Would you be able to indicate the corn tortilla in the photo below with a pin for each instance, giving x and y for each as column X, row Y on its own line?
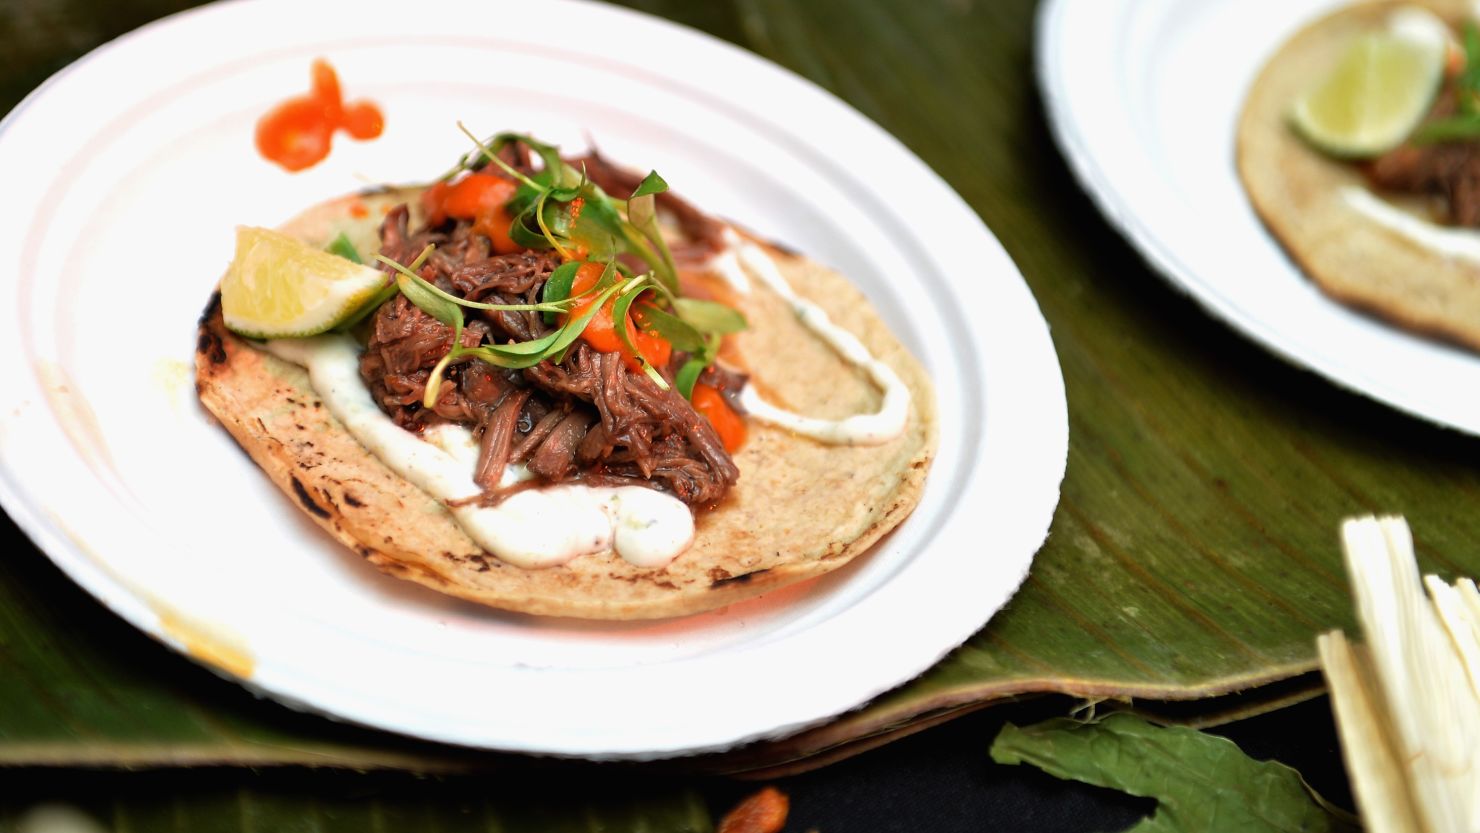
column 800, row 509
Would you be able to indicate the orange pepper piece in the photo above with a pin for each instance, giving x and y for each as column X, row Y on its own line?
column 763, row 812
column 727, row 424
column 601, row 331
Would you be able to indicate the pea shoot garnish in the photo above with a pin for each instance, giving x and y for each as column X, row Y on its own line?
column 558, row 208
column 1464, row 125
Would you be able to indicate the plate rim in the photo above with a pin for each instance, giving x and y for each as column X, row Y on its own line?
column 118, row 597
column 1161, row 253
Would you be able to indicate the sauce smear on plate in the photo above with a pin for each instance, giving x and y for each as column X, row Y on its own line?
column 298, row 133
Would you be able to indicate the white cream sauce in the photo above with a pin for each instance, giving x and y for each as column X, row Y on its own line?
column 740, row 260
column 532, row 528
column 1461, row 243
column 1419, row 26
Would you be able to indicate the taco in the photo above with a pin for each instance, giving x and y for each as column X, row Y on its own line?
column 1387, row 229
column 708, row 421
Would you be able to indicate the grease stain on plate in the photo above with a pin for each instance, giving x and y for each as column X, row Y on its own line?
column 172, row 377
column 74, row 414
column 204, row 642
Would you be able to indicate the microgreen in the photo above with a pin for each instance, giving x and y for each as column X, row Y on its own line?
column 620, row 311
column 530, row 353
column 1464, row 125
column 687, row 375
column 676, row 331
column 557, row 286
column 448, row 309
column 425, row 288
column 1467, row 85
column 559, row 208
column 710, row 316
column 543, row 214
column 342, row 246
column 651, row 184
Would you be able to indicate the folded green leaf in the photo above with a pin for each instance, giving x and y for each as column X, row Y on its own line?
column 1460, row 128
column 642, row 210
column 651, row 184
column 1202, row 783
column 676, row 331
column 530, row 353
column 1467, row 85
column 709, row 316
column 620, row 310
column 345, row 249
column 430, row 302
column 688, row 375
column 557, row 286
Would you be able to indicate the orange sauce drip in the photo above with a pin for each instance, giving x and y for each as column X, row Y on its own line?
column 299, row 133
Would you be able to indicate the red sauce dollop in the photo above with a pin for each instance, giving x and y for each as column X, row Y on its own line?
column 298, row 133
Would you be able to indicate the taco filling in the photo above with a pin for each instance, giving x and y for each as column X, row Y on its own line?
column 597, row 411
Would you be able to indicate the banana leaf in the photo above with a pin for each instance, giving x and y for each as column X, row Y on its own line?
column 1194, row 552
column 238, row 801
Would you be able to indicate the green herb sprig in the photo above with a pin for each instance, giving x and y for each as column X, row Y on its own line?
column 559, row 208
column 448, row 309
column 545, row 216
column 1464, row 125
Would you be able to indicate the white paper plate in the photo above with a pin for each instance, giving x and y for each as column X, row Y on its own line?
column 1144, row 97
column 126, row 175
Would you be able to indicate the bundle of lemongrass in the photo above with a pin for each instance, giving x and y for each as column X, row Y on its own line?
column 1408, row 702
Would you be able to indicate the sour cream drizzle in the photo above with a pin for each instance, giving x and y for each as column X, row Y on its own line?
column 1454, row 242
column 741, row 258
column 532, row 528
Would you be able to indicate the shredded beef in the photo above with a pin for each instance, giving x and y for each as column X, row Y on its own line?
column 1447, row 170
column 498, row 439
column 557, row 454
column 587, row 418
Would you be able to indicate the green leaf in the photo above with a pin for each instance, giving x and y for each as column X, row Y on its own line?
column 557, row 286
column 676, row 331
column 602, row 213
column 530, row 353
column 651, row 184
column 1467, row 85
column 642, row 211
column 344, row 248
column 526, row 231
column 709, row 316
column 688, row 375
column 620, row 312
column 430, row 302
column 1202, row 783
column 1461, row 128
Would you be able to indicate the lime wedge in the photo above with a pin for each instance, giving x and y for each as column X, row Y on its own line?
column 280, row 287
column 1376, row 95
